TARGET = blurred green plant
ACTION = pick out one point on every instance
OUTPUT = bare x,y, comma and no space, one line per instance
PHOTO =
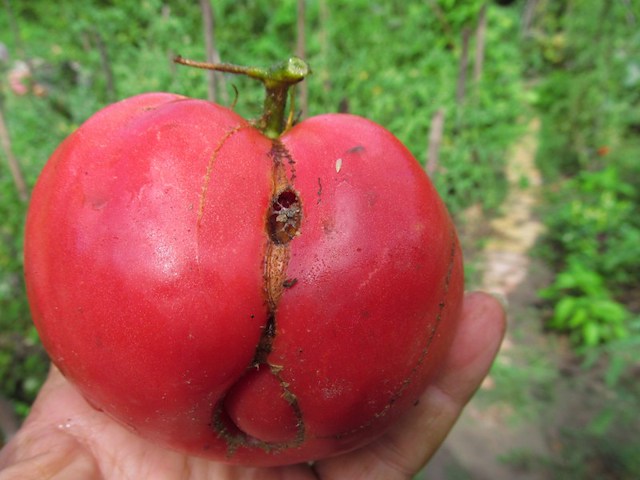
23,363
593,218
584,307
588,98
594,236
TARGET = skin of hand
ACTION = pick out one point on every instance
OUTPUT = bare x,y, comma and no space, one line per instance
64,438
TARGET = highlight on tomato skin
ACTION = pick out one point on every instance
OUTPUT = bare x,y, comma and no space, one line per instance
248,299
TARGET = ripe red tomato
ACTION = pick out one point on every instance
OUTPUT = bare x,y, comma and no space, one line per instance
245,299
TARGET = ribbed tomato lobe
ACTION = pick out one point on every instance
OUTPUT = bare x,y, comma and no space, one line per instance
261,406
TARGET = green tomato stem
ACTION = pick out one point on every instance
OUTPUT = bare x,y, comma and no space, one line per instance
277,80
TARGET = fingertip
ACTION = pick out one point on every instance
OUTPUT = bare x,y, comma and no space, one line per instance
486,311
476,344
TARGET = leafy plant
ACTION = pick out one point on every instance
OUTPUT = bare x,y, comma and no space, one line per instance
592,217
584,307
595,239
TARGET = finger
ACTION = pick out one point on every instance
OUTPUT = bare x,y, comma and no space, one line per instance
404,450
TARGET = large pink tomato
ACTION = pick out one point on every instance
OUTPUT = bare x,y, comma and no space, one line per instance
235,297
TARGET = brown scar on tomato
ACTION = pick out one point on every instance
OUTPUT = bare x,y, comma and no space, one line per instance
264,345
209,170
290,282
292,400
279,155
282,225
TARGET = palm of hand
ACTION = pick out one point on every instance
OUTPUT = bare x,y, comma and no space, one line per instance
65,438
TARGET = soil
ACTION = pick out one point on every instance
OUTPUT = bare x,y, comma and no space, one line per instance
536,415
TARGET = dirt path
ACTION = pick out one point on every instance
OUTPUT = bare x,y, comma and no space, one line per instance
506,262
486,439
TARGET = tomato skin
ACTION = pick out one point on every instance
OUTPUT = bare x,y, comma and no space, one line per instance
145,260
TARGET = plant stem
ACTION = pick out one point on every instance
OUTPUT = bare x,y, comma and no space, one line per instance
277,80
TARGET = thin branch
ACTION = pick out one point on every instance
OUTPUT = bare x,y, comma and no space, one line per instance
253,72
207,26
105,63
216,81
14,166
528,17
323,35
481,30
435,140
462,69
17,36
300,52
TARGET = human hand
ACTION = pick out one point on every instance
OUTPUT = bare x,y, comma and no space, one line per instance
65,438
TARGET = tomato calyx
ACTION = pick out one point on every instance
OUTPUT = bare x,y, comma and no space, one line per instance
277,80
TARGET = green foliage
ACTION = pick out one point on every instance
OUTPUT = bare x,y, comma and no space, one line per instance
589,99
589,96
594,236
590,455
612,433
22,361
594,220
584,307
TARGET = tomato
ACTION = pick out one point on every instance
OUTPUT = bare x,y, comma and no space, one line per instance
237,297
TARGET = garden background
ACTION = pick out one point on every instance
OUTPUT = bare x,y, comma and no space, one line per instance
525,113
